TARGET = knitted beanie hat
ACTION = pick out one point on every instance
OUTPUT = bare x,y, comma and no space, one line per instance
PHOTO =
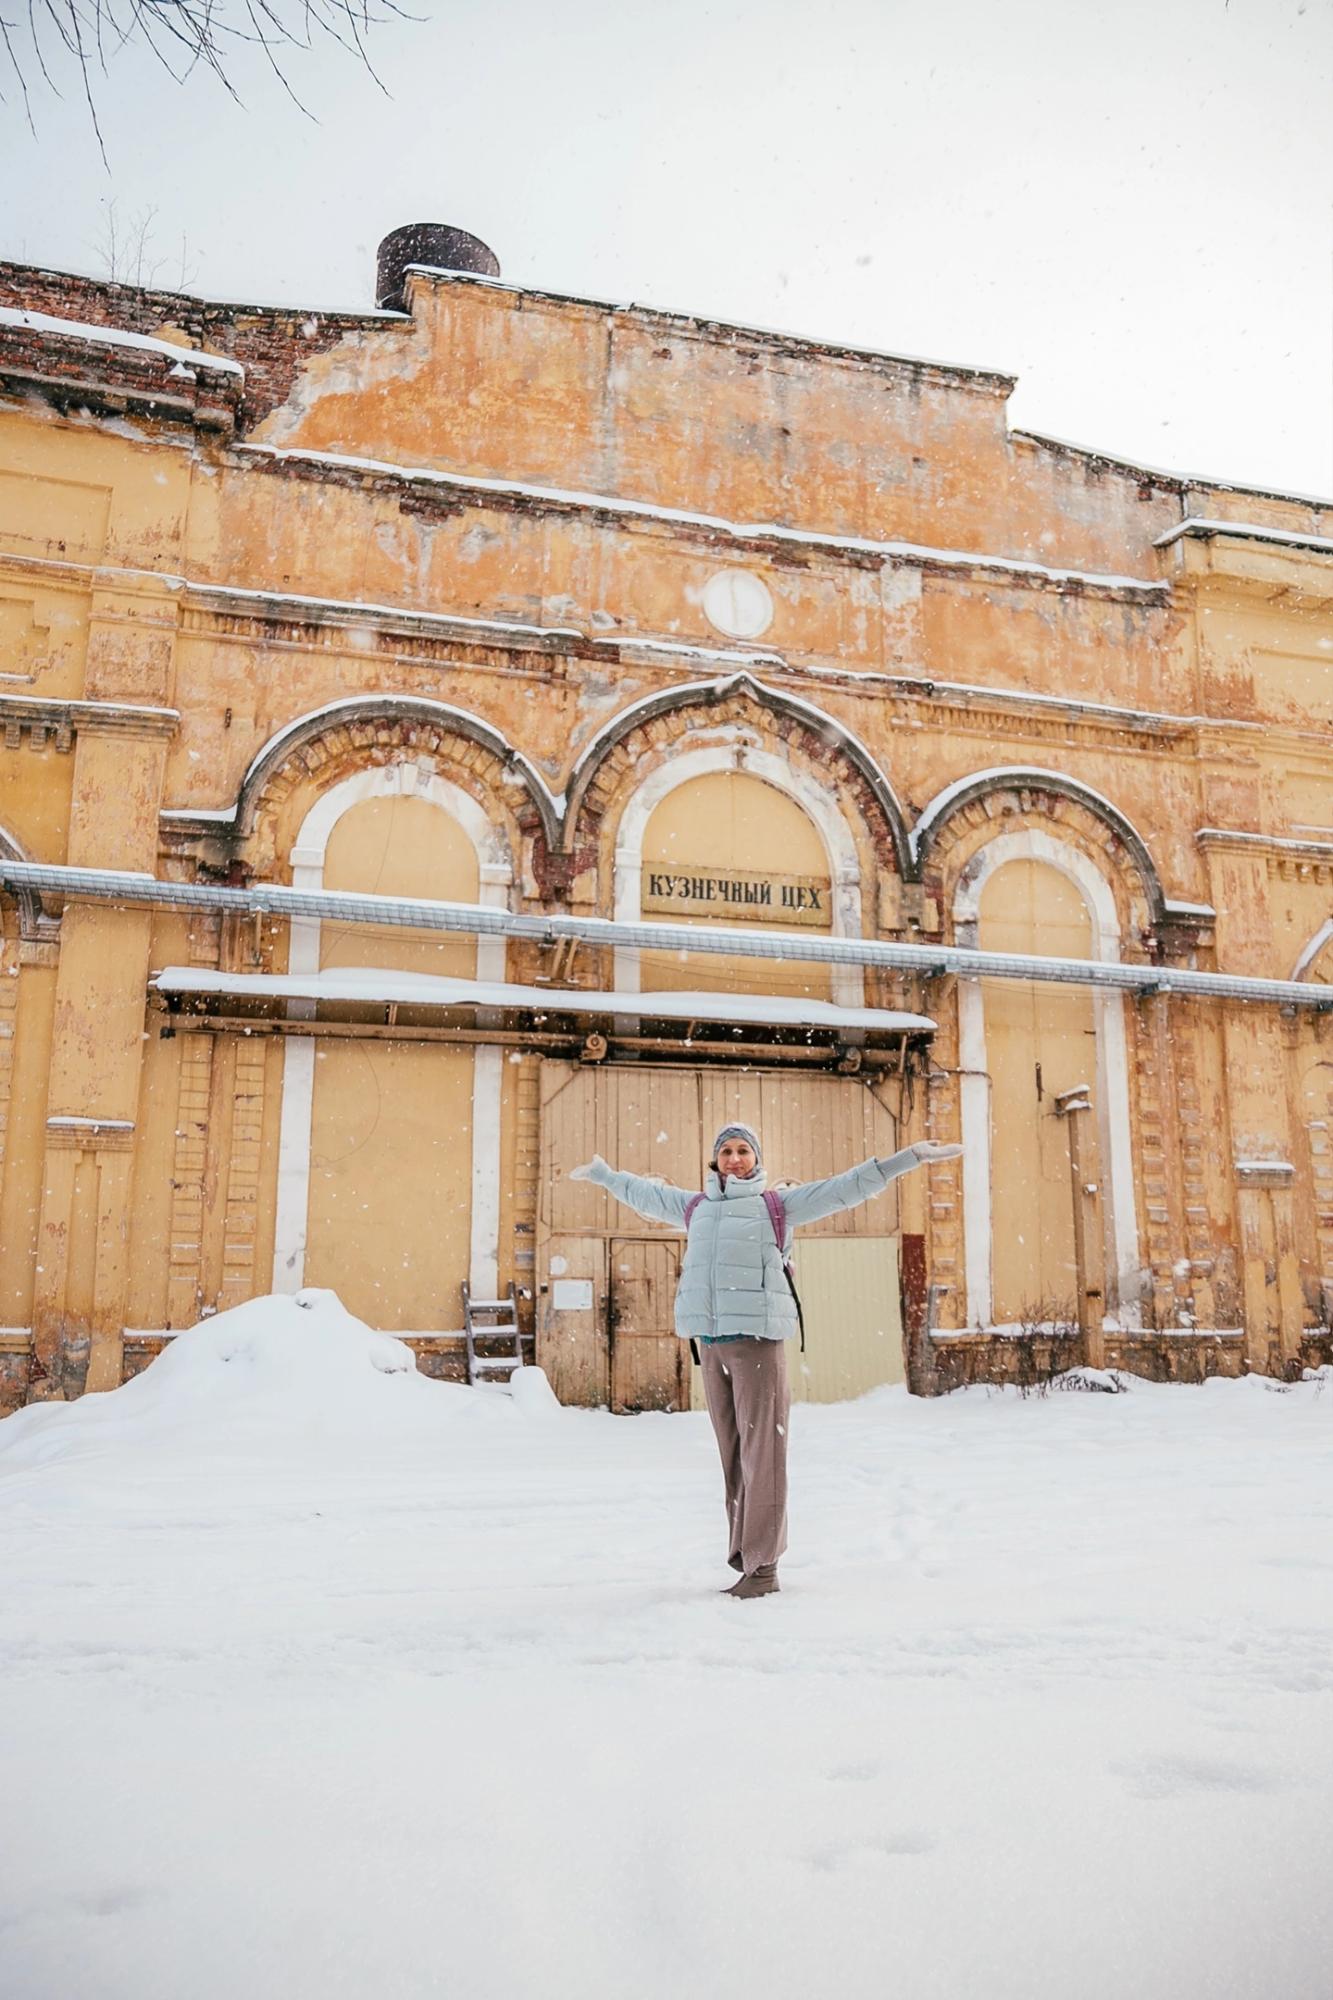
746,1132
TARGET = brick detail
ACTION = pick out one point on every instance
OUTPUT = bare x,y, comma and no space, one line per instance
348,747
1194,1166
1150,1060
9,997
981,820
945,1261
527,1170
205,939
273,344
189,1163
1319,1139
628,761
241,1215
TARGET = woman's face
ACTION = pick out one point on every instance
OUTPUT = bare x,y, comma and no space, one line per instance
735,1156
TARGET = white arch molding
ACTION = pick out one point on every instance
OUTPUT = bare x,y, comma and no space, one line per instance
414,780
745,760
1305,963
1120,1215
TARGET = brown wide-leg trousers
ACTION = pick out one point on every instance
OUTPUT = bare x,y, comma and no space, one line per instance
749,1398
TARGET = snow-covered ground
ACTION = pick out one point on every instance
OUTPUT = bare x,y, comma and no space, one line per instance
321,1680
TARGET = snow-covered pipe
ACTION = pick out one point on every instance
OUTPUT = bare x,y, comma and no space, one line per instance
104,885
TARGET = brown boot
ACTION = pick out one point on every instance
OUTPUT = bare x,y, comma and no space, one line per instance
761,1582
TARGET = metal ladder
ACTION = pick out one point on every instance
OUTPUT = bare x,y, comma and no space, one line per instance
491,1320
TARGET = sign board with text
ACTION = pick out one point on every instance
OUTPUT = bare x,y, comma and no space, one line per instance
733,897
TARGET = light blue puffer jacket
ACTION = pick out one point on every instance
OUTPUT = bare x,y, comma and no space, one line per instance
732,1282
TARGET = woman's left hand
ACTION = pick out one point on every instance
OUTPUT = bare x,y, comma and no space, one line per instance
928,1151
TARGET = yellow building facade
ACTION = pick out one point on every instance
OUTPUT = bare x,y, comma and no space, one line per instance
444,741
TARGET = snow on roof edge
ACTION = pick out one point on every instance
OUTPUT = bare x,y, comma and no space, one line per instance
114,336
1180,480
1250,531
351,983
610,503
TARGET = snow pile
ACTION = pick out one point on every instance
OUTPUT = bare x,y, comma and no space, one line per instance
532,1393
1094,1381
259,1379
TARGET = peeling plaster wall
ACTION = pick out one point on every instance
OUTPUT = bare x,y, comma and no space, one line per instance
174,595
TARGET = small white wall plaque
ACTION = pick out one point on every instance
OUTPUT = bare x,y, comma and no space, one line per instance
738,604
572,1295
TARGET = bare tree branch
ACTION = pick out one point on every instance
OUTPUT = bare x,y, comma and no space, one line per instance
183,35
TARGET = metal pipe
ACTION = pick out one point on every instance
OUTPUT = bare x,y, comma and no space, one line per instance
405,913
759,1055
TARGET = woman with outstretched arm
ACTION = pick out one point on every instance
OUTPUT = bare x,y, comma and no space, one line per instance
735,1300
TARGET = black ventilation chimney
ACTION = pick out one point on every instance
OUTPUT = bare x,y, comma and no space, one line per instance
433,243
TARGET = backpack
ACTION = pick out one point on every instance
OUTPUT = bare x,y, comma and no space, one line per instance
777,1215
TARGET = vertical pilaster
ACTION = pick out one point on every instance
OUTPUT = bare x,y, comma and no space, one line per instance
1257,1092
55,1328
1156,1153
9,1001
111,1243
1192,1143
1319,1139
952,1184
101,986
83,1248
28,1055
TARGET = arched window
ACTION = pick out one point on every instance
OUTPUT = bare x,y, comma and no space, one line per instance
764,847
727,847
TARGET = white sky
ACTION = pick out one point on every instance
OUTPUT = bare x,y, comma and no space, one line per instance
1128,203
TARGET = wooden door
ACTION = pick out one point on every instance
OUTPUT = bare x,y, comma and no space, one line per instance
649,1363
811,1127
646,1121
571,1320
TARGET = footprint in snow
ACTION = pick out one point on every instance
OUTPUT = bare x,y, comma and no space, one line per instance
115,1900
1172,1777
884,1846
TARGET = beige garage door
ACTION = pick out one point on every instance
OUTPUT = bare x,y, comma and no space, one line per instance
853,1318
390,1173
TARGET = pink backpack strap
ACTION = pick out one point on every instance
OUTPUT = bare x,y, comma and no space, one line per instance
690,1207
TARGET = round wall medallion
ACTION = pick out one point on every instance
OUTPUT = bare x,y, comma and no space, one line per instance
738,604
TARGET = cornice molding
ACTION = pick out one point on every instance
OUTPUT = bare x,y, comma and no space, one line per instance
78,365
46,719
1279,845
425,490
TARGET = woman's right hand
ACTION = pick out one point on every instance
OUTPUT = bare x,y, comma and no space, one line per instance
585,1173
